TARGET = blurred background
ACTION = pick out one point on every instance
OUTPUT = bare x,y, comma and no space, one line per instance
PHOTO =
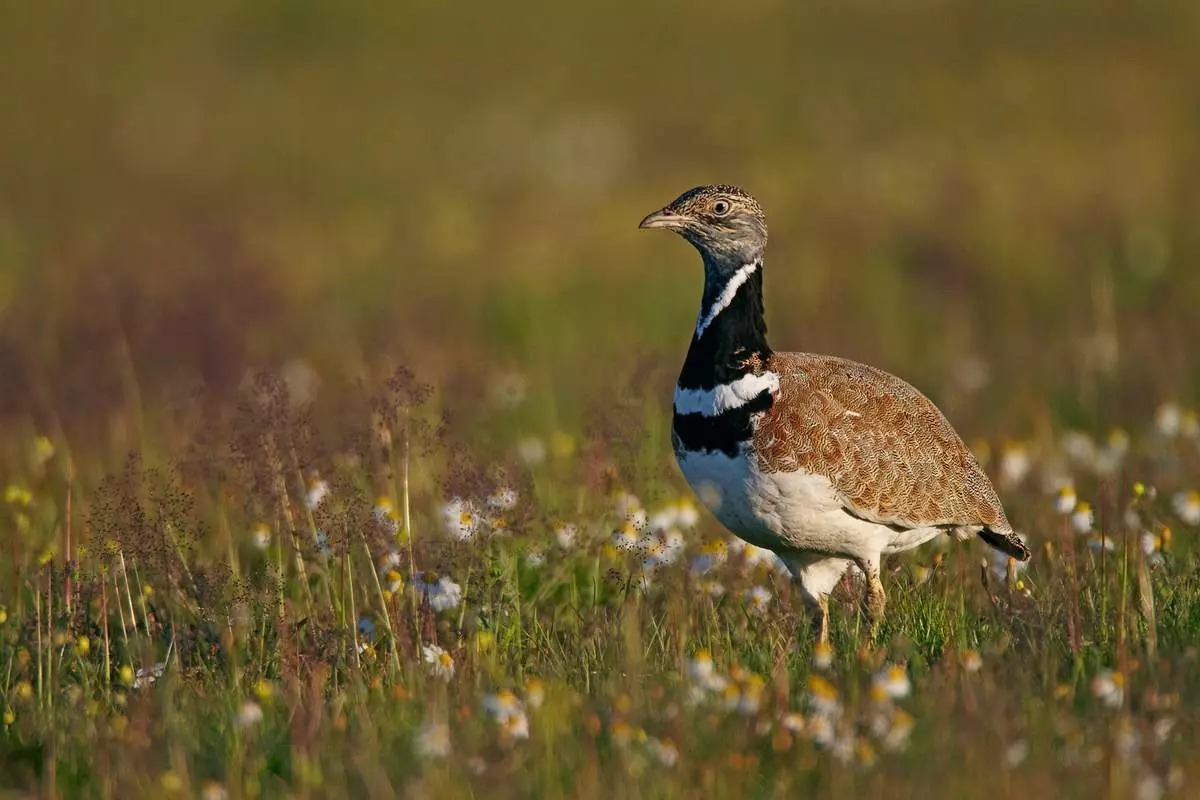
996,201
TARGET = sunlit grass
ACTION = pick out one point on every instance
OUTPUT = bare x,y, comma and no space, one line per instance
229,626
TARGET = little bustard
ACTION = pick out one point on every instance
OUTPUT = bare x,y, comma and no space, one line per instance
825,461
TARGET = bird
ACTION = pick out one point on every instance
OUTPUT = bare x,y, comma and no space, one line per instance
827,462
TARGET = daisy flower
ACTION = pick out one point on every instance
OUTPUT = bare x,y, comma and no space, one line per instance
822,656
663,751
535,693
249,714
1168,420
823,697
1187,506
758,598
1064,500
318,490
712,554
701,668
462,519
433,740
441,663
503,499
508,712
261,536
441,593
531,450
1082,518
1109,688
566,533
385,515
627,537
891,683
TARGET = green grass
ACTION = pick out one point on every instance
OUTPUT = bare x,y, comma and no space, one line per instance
241,632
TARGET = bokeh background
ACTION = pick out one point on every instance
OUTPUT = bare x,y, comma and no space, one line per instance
996,201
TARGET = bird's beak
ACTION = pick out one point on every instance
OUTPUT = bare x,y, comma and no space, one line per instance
664,219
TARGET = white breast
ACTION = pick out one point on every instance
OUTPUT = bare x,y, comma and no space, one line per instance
787,510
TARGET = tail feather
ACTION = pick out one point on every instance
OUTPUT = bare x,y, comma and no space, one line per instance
1006,542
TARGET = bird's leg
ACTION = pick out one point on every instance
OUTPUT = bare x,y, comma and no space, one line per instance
875,598
820,620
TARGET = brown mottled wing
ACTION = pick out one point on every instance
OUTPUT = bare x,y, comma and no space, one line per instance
887,449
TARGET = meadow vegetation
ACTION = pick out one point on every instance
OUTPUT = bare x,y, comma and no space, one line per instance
335,386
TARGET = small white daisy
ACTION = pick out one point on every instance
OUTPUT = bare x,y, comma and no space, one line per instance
565,533
1187,506
249,714
509,713
385,515
503,499
462,519
758,598
1064,500
1168,420
441,593
261,536
1109,688
663,751
822,656
1082,518
318,490
1016,753
433,740
891,683
531,450
441,663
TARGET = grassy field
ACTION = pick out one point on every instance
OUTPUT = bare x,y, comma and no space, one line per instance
335,387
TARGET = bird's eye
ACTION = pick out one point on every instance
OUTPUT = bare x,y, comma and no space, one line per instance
721,208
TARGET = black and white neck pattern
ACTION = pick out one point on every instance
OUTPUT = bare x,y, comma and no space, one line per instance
718,394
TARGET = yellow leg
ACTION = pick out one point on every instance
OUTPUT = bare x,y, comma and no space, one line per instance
820,623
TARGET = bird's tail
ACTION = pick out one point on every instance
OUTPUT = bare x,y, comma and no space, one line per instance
1006,542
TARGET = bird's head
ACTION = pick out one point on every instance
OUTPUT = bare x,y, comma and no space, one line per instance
724,223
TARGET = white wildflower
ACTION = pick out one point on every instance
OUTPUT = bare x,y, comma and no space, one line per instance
147,676
249,713
433,740
1168,420
663,751
261,536
1016,753
462,518
503,499
441,663
509,713
566,534
385,515
1109,688
1187,506
531,450
1064,500
758,598
701,667
822,656
318,490
1082,518
441,593
891,683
